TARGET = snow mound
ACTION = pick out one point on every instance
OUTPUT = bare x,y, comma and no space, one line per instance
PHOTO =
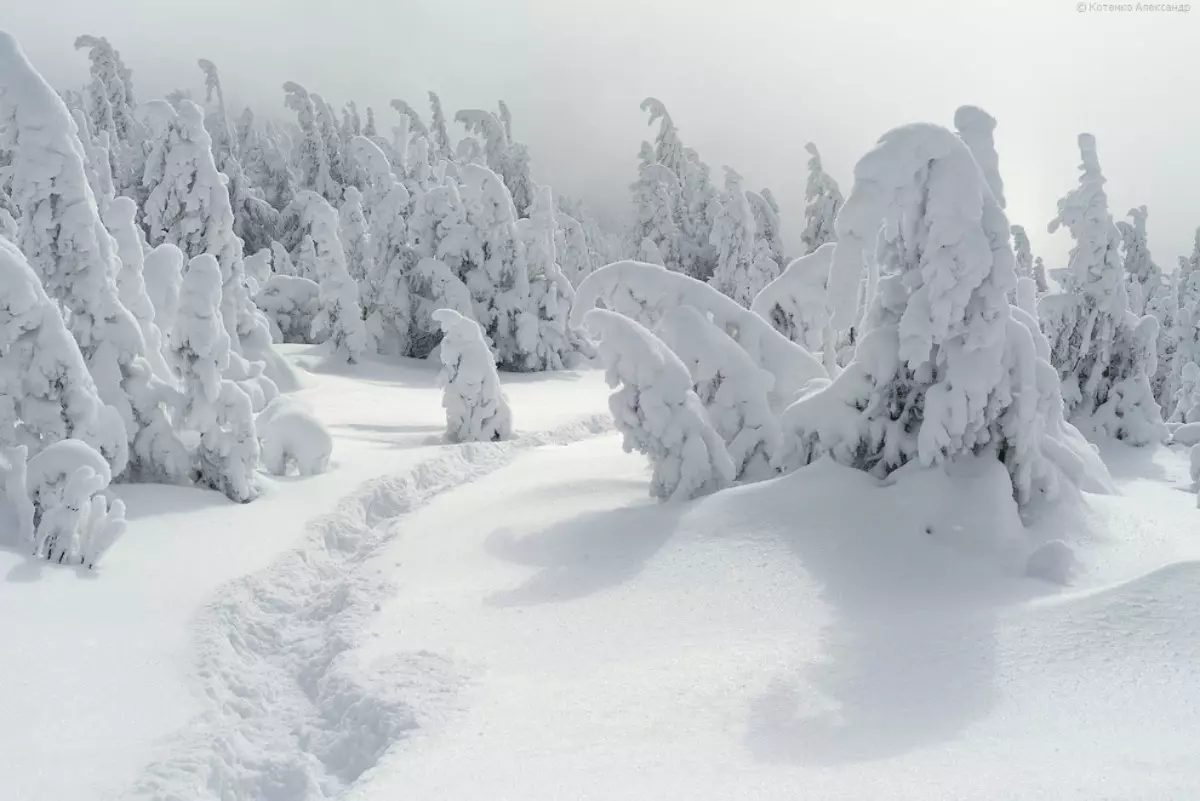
1187,434
292,437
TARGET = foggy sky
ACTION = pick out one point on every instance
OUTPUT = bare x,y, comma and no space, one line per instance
747,82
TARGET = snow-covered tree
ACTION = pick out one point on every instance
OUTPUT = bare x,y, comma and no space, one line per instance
312,160
1098,346
291,303
340,319
61,234
131,284
698,209
46,392
741,272
976,128
1023,254
162,273
217,409
507,159
111,110
733,389
441,137
655,194
767,227
1039,276
188,206
1141,272
551,294
668,149
794,303
476,410
354,235
822,201
574,254
1187,398
945,367
657,411
644,293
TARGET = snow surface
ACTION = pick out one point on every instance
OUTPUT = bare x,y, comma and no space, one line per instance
517,620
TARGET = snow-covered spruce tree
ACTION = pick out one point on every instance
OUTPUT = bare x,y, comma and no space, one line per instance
767,227
741,273
162,272
61,234
644,293
655,194
551,294
476,410
507,159
657,411
441,137
822,200
1097,344
698,210
794,303
97,163
312,158
733,389
1162,304
68,519
1141,272
291,303
340,319
1187,397
46,392
1039,276
1022,253
353,232
188,206
668,149
264,164
216,408
573,252
131,284
331,140
497,275
942,368
111,107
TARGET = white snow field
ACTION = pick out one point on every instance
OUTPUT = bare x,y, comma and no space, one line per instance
519,620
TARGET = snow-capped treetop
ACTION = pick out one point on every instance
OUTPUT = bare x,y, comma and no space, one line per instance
506,119
975,127
113,78
1095,265
740,272
224,145
414,119
441,137
1039,276
668,150
767,226
822,201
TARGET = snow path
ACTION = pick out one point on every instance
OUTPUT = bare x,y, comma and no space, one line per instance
287,722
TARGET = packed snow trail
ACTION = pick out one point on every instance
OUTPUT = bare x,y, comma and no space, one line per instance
287,723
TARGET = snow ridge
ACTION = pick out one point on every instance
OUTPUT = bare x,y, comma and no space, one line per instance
292,718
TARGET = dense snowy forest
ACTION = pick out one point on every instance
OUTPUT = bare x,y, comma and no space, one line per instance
158,247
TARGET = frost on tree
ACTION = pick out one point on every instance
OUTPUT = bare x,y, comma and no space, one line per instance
440,136
945,366
733,389
340,318
644,293
111,111
46,392
219,411
794,304
741,271
1098,345
61,234
476,410
822,201
657,411
508,160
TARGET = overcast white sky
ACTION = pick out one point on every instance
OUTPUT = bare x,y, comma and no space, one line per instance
748,82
